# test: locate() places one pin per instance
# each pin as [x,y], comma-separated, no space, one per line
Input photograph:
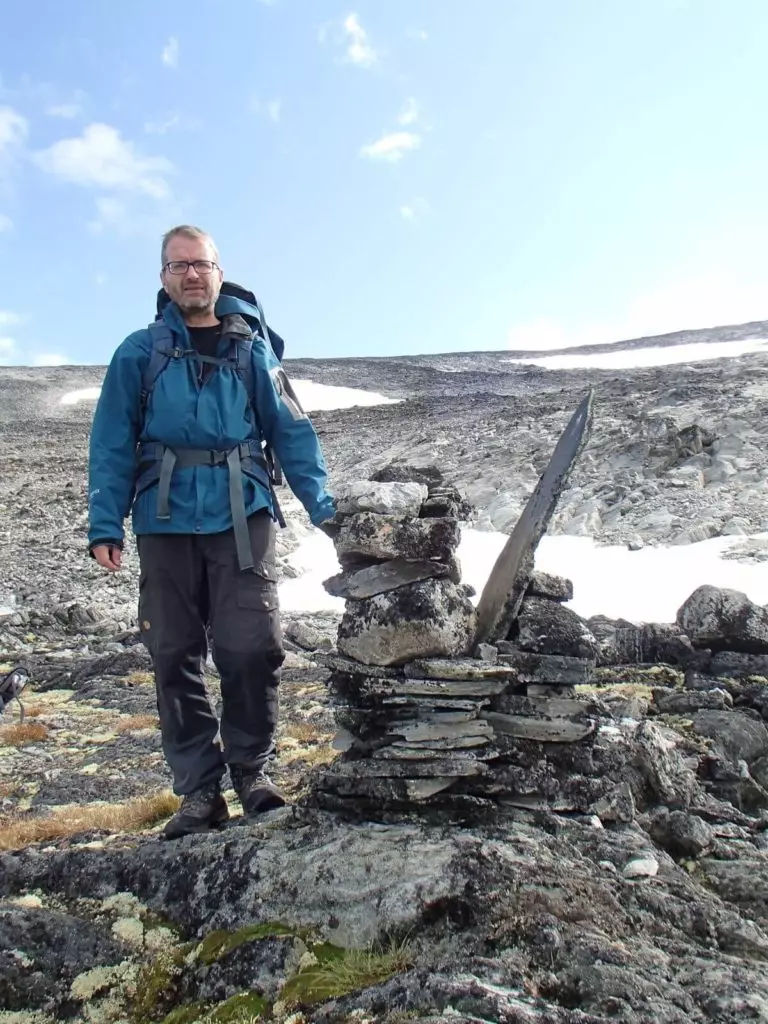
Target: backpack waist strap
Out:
[158,461]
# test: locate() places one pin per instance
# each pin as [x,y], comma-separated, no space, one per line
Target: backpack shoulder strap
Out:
[162,345]
[245,371]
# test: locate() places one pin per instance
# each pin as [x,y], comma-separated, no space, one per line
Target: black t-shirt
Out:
[205,339]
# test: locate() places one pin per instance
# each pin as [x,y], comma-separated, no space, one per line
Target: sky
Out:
[391,177]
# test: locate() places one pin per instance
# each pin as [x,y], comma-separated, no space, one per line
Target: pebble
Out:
[641,867]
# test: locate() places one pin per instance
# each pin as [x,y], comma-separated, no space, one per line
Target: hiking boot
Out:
[201,811]
[255,790]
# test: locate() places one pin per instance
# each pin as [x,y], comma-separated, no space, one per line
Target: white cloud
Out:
[410,112]
[6,224]
[391,147]
[171,53]
[418,34]
[9,319]
[414,210]
[65,110]
[101,158]
[358,48]
[7,351]
[712,299]
[13,129]
[51,359]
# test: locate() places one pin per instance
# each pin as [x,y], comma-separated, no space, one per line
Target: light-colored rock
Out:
[641,867]
[393,499]
[370,536]
[720,618]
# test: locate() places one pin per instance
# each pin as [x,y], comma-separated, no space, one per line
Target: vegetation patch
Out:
[21,733]
[238,1009]
[217,944]
[68,820]
[331,972]
[136,722]
[140,679]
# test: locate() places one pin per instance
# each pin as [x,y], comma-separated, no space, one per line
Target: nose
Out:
[191,270]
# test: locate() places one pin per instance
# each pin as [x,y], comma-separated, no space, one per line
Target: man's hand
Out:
[108,556]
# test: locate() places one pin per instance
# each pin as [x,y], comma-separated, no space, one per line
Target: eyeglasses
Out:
[182,266]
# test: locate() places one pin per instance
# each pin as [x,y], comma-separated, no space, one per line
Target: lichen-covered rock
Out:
[723,619]
[681,834]
[737,734]
[628,643]
[429,619]
[367,536]
[556,588]
[547,627]
[394,499]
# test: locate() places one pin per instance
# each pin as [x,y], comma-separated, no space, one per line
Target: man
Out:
[189,455]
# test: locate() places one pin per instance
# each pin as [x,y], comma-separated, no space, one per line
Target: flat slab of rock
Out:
[444,688]
[542,707]
[556,588]
[542,730]
[547,627]
[737,665]
[432,618]
[723,619]
[395,498]
[386,576]
[371,536]
[686,702]
[349,667]
[739,735]
[437,767]
[557,669]
[458,668]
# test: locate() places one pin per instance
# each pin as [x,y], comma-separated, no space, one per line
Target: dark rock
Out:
[682,702]
[555,588]
[680,834]
[626,643]
[397,471]
[42,951]
[370,536]
[738,665]
[722,619]
[446,501]
[547,627]
[433,618]
[556,669]
[458,668]
[738,735]
[386,576]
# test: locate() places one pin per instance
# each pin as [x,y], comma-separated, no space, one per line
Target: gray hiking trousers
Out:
[190,585]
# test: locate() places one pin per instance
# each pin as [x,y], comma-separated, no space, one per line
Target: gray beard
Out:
[199,306]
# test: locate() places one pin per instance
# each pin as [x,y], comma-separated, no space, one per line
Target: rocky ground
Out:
[654,909]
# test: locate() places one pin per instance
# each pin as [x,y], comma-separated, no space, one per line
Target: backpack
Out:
[163,349]
[11,687]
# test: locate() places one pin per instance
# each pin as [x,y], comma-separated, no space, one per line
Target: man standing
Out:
[177,434]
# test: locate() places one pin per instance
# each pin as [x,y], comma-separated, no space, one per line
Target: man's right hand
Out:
[108,556]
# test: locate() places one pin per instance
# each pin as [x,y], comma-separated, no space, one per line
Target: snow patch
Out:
[626,359]
[642,586]
[312,396]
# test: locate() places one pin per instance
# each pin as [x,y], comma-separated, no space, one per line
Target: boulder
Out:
[737,734]
[627,643]
[368,536]
[556,588]
[547,627]
[723,619]
[394,499]
[429,619]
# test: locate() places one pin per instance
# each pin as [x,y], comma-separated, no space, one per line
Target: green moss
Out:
[185,1014]
[156,986]
[341,971]
[217,944]
[243,1007]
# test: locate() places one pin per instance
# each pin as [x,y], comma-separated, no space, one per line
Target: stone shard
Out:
[557,669]
[556,588]
[541,730]
[546,627]
[432,618]
[393,499]
[723,619]
[458,668]
[512,571]
[386,576]
[368,536]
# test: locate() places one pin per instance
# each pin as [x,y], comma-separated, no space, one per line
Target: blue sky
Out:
[390,176]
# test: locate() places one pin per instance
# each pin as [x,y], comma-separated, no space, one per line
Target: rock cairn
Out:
[427,721]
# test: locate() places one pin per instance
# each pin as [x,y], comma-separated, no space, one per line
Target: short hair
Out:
[187,231]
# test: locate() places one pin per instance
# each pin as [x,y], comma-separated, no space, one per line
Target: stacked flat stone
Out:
[424,726]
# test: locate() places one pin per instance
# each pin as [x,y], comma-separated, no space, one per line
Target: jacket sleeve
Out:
[112,454]
[289,432]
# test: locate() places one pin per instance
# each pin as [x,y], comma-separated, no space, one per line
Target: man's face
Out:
[193,291]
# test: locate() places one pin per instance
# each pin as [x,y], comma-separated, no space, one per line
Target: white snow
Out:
[312,396]
[643,586]
[625,359]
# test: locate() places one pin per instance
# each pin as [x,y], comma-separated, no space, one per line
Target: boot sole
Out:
[198,830]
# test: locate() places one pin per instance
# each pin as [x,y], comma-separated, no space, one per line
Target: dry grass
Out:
[66,821]
[34,711]
[304,732]
[21,733]
[135,722]
[140,679]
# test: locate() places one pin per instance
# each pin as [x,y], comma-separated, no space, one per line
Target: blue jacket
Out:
[183,413]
